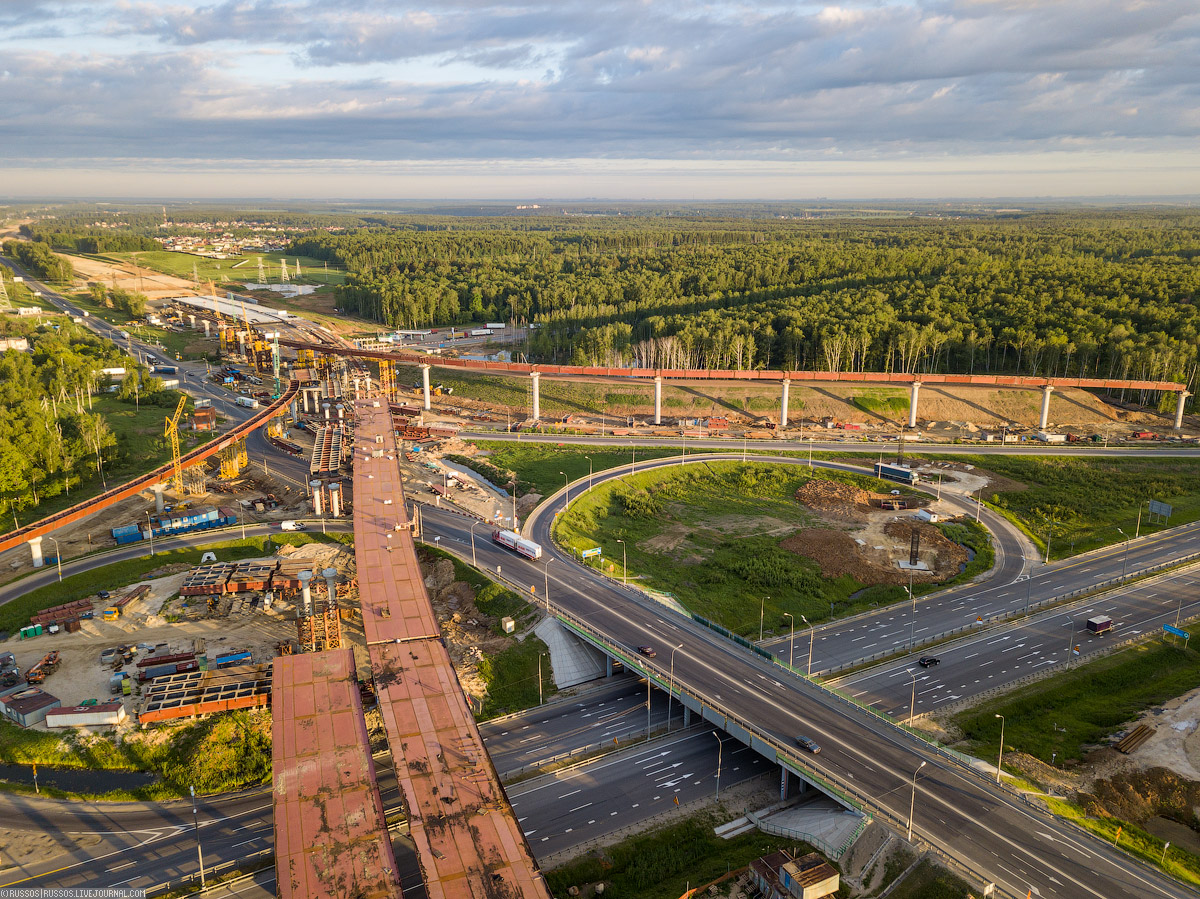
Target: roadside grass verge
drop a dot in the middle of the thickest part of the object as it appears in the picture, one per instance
(16, 612)
(883, 402)
(1134, 840)
(216, 754)
(662, 864)
(1071, 711)
(1078, 503)
(930, 881)
(708, 533)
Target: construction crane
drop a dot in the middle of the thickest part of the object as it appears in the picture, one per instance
(250, 337)
(172, 431)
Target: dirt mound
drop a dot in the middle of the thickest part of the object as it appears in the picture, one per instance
(1142, 797)
(837, 553)
(835, 500)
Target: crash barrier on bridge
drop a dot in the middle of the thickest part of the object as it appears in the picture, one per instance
(258, 860)
(468, 841)
(999, 618)
(116, 494)
(703, 374)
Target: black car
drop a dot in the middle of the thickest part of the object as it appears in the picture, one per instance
(928, 661)
(807, 745)
(647, 651)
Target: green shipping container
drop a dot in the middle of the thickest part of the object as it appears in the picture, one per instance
(126, 687)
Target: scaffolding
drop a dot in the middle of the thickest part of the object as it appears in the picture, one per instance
(322, 630)
(387, 379)
(233, 459)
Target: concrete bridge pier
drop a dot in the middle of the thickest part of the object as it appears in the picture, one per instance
(304, 398)
(791, 784)
(335, 500)
(158, 490)
(207, 327)
(536, 377)
(35, 549)
(912, 403)
(1179, 404)
(425, 385)
(658, 399)
(783, 404)
(687, 716)
(1045, 416)
(316, 497)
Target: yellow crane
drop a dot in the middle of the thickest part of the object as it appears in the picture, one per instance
(172, 431)
(250, 337)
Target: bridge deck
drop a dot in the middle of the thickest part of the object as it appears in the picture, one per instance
(330, 836)
(468, 841)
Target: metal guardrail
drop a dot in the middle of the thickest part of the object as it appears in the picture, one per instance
(185, 879)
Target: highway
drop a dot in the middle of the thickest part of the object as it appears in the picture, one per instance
(959, 813)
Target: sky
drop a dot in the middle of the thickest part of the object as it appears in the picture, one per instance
(568, 99)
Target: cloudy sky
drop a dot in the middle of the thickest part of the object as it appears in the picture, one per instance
(595, 98)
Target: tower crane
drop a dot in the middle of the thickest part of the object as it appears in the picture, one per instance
(172, 432)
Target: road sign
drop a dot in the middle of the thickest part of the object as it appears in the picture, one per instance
(1163, 509)
(1176, 631)
(594, 551)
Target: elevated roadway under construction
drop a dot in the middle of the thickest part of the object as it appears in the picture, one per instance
(467, 838)
(914, 381)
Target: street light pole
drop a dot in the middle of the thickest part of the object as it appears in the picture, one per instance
(762, 608)
(540, 654)
(720, 747)
(1028, 586)
(546, 575)
(199, 851)
(1125, 559)
(473, 523)
(912, 702)
(1070, 640)
(589, 458)
(791, 640)
(1000, 757)
(671, 688)
(150, 531)
(567, 488)
(912, 805)
(912, 626)
(624, 564)
(57, 558)
(812, 632)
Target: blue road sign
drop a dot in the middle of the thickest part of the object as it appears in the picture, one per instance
(594, 551)
(1176, 631)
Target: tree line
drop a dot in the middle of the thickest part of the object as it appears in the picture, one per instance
(39, 260)
(52, 439)
(1102, 294)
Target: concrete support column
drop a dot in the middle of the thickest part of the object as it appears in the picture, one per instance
(687, 717)
(295, 409)
(425, 386)
(1045, 416)
(242, 342)
(306, 608)
(537, 400)
(912, 404)
(341, 411)
(357, 393)
(316, 497)
(335, 500)
(783, 404)
(158, 490)
(192, 322)
(330, 575)
(35, 549)
(658, 399)
(207, 327)
(608, 666)
(1183, 395)
(325, 409)
(304, 397)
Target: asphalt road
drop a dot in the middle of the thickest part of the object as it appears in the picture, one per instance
(958, 812)
(1001, 656)
(1164, 449)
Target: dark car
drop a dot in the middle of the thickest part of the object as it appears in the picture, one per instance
(103, 594)
(928, 661)
(647, 651)
(808, 745)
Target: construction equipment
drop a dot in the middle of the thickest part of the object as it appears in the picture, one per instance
(48, 665)
(172, 433)
(387, 379)
(233, 459)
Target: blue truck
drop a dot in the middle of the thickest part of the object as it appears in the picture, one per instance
(896, 473)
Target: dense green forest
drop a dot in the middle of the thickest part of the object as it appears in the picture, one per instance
(1069, 294)
(54, 435)
(89, 239)
(39, 260)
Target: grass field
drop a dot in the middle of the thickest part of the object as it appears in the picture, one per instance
(709, 534)
(883, 402)
(173, 343)
(1081, 502)
(16, 612)
(928, 881)
(240, 269)
(663, 864)
(1076, 709)
(216, 754)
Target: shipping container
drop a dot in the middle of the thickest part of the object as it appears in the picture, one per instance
(896, 473)
(517, 543)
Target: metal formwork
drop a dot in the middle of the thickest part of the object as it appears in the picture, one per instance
(205, 692)
(326, 456)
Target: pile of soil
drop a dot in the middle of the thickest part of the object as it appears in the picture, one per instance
(944, 557)
(835, 500)
(837, 553)
(1157, 799)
